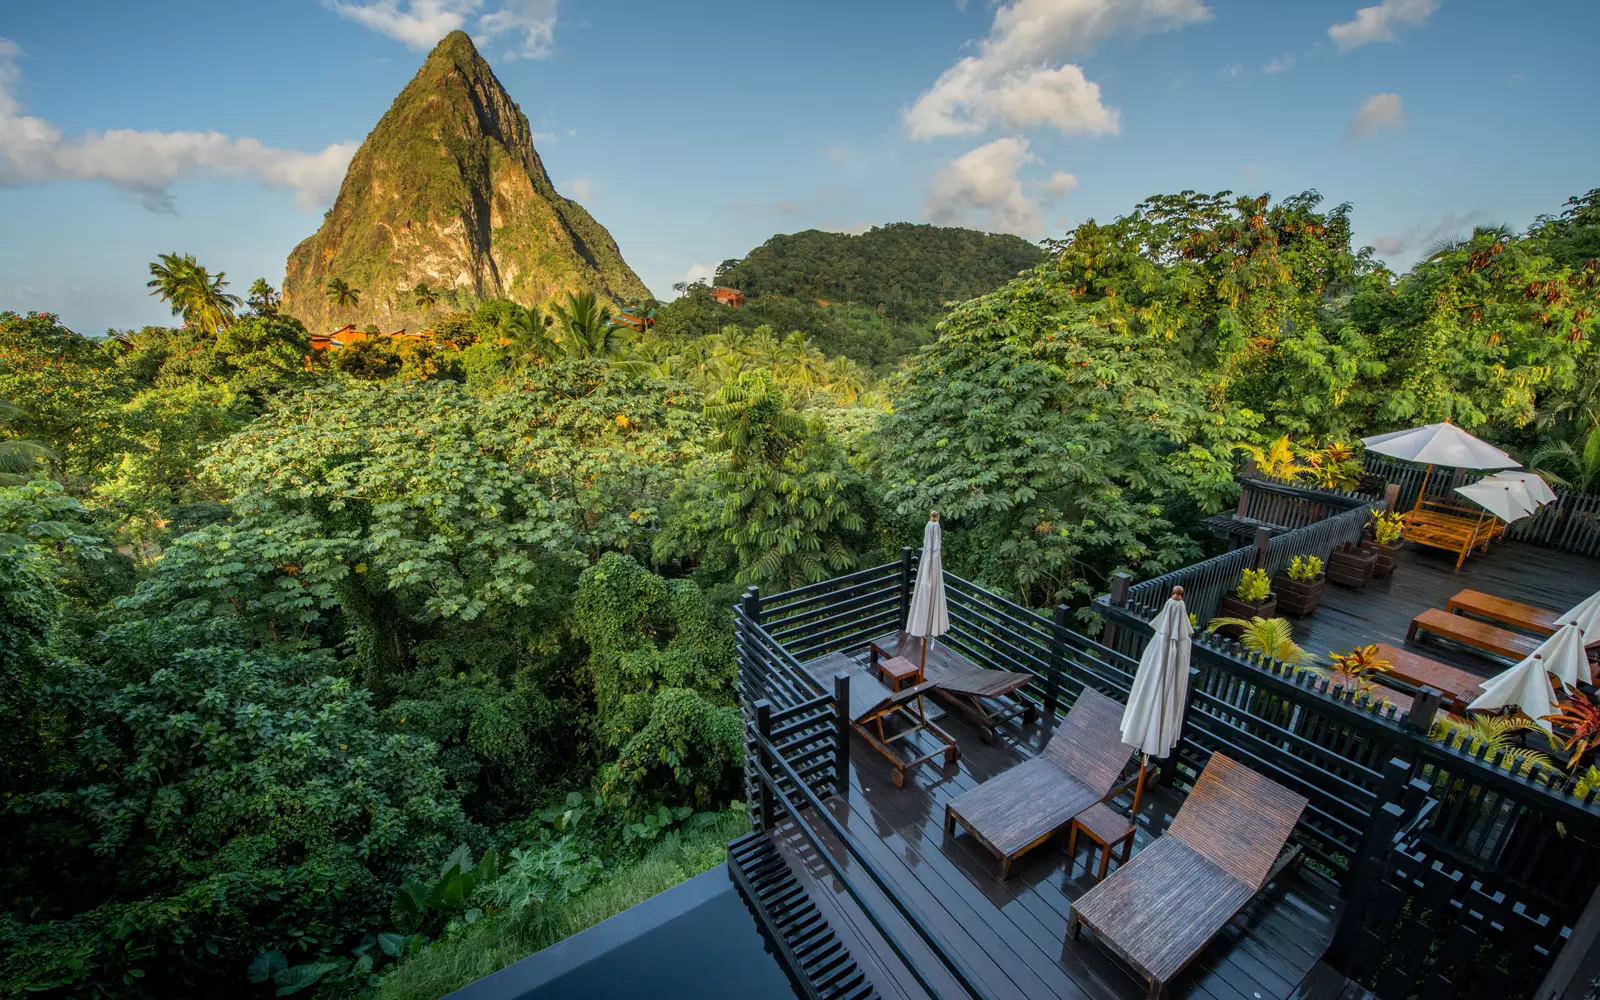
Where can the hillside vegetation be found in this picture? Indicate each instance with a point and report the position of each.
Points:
(370, 670)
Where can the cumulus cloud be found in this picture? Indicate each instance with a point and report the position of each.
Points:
(528, 25)
(1381, 112)
(1019, 77)
(33, 151)
(1279, 65)
(706, 273)
(984, 186)
(579, 186)
(1378, 24)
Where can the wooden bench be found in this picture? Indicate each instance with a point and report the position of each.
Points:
(1497, 609)
(1160, 910)
(1019, 809)
(1470, 632)
(1459, 687)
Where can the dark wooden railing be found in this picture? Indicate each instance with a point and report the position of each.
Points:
(1286, 506)
(1570, 524)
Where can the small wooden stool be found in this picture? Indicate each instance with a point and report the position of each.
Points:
(896, 670)
(1107, 828)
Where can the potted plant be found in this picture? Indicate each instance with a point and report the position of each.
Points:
(1300, 588)
(1252, 599)
(1388, 535)
(1351, 566)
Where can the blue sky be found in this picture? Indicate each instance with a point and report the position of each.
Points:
(694, 131)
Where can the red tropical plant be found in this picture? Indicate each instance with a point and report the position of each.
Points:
(1578, 723)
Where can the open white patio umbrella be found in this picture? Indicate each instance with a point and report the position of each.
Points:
(1534, 483)
(1154, 716)
(1587, 617)
(1527, 685)
(1506, 500)
(930, 614)
(1440, 444)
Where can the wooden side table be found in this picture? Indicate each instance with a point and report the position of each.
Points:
(1106, 828)
(896, 670)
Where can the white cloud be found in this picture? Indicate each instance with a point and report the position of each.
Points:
(579, 186)
(1423, 236)
(1279, 65)
(700, 272)
(1377, 24)
(1233, 71)
(983, 187)
(1059, 184)
(1380, 112)
(33, 151)
(1019, 77)
(529, 25)
(849, 229)
(836, 153)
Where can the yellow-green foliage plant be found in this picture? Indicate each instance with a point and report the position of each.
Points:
(1387, 528)
(1271, 637)
(1305, 569)
(1254, 586)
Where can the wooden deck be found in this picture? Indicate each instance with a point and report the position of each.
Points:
(1427, 578)
(1012, 934)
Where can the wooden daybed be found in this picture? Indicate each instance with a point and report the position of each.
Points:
(1542, 621)
(1457, 686)
(1471, 632)
(1453, 527)
(872, 704)
(1160, 910)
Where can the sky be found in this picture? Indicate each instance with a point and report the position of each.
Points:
(695, 131)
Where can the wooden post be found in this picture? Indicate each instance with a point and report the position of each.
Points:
(1395, 774)
(1058, 660)
(1120, 582)
(1423, 709)
(1263, 536)
(1391, 498)
(751, 603)
(1250, 469)
(767, 808)
(905, 585)
(841, 733)
(1569, 968)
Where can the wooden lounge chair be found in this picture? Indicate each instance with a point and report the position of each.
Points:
(1452, 527)
(1471, 632)
(1540, 621)
(1016, 811)
(1160, 910)
(1458, 686)
(873, 704)
(987, 697)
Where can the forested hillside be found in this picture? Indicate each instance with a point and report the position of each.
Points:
(872, 297)
(369, 670)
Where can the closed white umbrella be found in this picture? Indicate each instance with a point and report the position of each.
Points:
(1507, 501)
(1440, 444)
(1154, 716)
(930, 614)
(1534, 483)
(1587, 617)
(1527, 685)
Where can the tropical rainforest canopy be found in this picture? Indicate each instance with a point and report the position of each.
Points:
(316, 662)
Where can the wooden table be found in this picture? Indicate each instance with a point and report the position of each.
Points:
(1459, 687)
(896, 670)
(1106, 828)
(1470, 632)
(1542, 621)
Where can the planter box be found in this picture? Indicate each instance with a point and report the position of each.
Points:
(1386, 556)
(1350, 566)
(1232, 607)
(1297, 597)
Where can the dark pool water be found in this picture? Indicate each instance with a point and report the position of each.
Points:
(694, 940)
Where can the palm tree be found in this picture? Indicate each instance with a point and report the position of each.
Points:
(341, 293)
(263, 298)
(426, 297)
(586, 329)
(192, 292)
(18, 456)
(1271, 637)
(1579, 469)
(526, 339)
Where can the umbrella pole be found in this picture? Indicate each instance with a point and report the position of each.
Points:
(923, 666)
(1138, 790)
(1424, 487)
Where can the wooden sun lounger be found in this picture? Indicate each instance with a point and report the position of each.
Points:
(987, 697)
(1497, 609)
(1458, 686)
(1018, 810)
(1471, 632)
(1160, 910)
(1451, 527)
(872, 704)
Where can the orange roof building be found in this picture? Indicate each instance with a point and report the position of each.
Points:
(728, 296)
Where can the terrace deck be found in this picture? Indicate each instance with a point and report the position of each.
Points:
(1427, 578)
(1012, 934)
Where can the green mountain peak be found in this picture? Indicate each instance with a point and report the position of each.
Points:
(448, 191)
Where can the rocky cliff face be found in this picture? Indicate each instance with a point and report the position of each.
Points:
(448, 190)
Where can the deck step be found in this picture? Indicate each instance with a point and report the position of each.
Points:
(816, 960)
